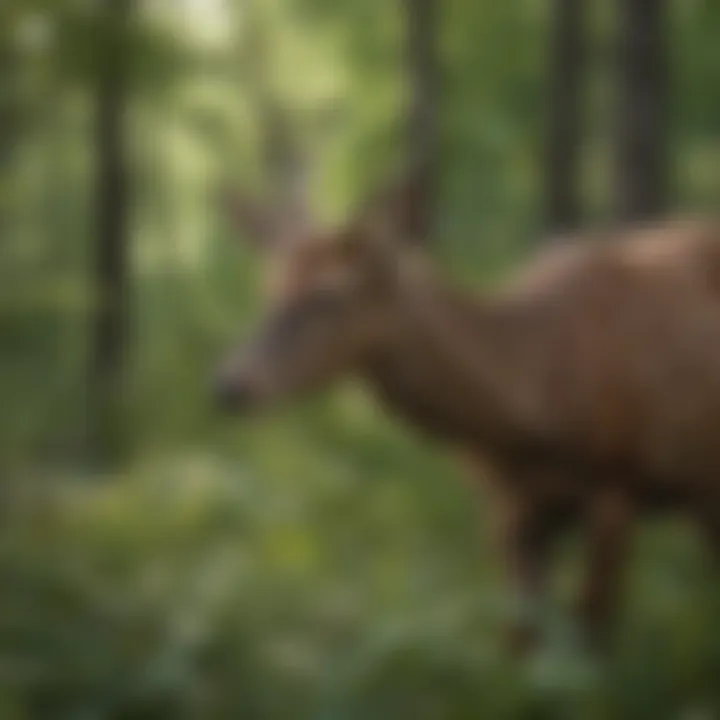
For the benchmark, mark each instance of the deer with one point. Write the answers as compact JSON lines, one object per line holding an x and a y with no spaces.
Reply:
{"x":583,"y":393}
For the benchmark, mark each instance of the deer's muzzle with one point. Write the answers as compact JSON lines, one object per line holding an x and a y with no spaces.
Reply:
{"x":234,"y":397}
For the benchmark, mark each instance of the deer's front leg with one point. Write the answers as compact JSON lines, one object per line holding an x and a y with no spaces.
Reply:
{"x":610,"y":522}
{"x":525,"y":535}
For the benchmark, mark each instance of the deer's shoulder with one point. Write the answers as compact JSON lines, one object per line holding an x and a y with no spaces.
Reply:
{"x":681,"y":251}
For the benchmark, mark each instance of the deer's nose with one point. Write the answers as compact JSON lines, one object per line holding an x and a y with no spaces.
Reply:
{"x":233,"y":396}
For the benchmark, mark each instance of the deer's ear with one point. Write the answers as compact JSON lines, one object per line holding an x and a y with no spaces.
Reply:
{"x":394,"y":215}
{"x":256,"y":222}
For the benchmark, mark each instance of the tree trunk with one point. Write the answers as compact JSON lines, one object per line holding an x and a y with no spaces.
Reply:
{"x":111,"y":257}
{"x":10,"y":123}
{"x":423,"y":130}
{"x":641,"y":181}
{"x":565,"y":132}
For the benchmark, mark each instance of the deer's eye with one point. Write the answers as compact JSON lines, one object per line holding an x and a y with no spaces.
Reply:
{"x":304,"y":313}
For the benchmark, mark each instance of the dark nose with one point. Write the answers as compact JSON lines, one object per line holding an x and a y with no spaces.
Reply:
{"x":233,"y":396}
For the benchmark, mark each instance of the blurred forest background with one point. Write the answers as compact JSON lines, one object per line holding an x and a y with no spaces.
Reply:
{"x":157,"y":561}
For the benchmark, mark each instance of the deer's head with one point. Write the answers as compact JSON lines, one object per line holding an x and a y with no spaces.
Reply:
{"x":332,"y":300}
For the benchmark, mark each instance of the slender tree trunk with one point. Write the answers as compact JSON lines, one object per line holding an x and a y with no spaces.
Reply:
{"x":10,"y":123}
{"x":111,"y":259}
{"x":641,"y":181}
{"x":565,"y":132}
{"x":423,"y":130}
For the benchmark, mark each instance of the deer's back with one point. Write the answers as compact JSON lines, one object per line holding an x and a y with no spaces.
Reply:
{"x":616,"y":352}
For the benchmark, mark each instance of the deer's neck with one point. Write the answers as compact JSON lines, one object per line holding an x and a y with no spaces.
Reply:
{"x":450,"y":367}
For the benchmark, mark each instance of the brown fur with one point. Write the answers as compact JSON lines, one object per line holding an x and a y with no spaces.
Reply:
{"x":587,"y":391}
{"x":590,"y":388}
